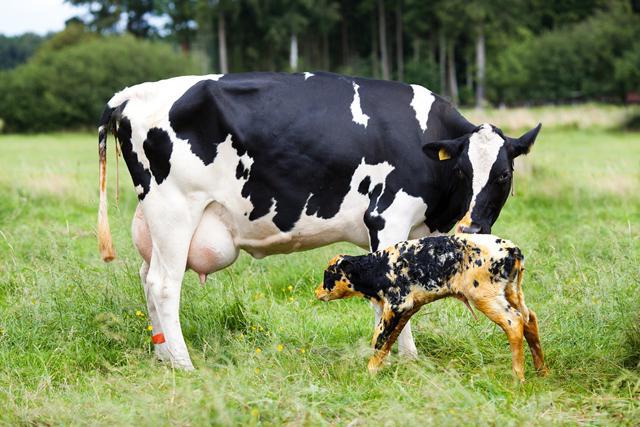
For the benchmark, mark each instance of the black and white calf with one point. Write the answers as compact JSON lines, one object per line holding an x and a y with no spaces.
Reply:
{"x":274,"y":163}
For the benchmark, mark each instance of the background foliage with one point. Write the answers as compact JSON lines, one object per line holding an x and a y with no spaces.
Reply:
{"x":475,"y":52}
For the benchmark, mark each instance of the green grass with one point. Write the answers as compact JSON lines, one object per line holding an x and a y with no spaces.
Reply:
{"x":73,"y":351}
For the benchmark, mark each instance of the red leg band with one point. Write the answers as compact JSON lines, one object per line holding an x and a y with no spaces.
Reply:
{"x":158,"y":338}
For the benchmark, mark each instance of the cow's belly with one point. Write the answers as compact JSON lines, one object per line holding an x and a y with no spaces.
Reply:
{"x":263,"y":238}
{"x":217,"y":239}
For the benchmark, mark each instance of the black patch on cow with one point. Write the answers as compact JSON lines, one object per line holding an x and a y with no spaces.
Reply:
{"x":363,"y":188}
{"x":241,"y":171}
{"x":374,"y":222}
{"x":158,"y":147}
{"x":139,"y":175}
{"x":195,"y":118}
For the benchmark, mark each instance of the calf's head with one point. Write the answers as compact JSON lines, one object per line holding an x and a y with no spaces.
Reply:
{"x":479,"y":169}
{"x":337,"y":281}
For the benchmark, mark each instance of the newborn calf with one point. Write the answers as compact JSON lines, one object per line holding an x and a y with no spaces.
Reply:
{"x":478,"y":268}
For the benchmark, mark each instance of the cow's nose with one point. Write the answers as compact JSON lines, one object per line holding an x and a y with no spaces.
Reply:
{"x":470,"y":229}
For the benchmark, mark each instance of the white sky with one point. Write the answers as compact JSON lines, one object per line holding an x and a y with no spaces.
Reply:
{"x":37,"y":16}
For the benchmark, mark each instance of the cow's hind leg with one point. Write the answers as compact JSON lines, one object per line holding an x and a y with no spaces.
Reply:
{"x":172,"y":224}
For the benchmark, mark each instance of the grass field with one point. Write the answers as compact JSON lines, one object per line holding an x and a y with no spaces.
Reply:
{"x":74,"y":351}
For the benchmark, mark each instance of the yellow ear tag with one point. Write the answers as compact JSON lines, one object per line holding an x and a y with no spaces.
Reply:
{"x":443,"y":155}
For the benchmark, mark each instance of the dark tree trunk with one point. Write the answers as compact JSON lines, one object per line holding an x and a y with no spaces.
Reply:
{"x":375,"y":64}
{"x":344,"y":36}
{"x":325,"y":51}
{"x":442,"y":62}
{"x":480,"y":68}
{"x":453,"y":80}
{"x":384,"y":56}
{"x":399,"y":41}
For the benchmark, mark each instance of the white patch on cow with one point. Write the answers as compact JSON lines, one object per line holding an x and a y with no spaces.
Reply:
{"x":348,"y":222}
{"x":139,"y":189}
{"x":307,"y":75}
{"x":421,"y":103}
{"x":159,"y":91}
{"x":484,"y":146}
{"x":404,"y":213}
{"x":359,"y":116}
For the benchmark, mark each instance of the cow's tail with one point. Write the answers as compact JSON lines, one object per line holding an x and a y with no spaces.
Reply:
{"x":104,"y":233}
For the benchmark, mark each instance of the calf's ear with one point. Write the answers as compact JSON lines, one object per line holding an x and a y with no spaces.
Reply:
{"x":445,"y":149}
{"x":522,"y":145}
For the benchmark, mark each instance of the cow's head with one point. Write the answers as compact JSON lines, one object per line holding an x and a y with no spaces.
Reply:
{"x":479,"y":169}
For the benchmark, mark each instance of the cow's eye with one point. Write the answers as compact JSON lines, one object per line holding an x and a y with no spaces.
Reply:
{"x":504,"y":177}
{"x":459,"y":173}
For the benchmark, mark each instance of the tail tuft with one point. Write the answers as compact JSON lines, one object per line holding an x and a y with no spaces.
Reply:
{"x":105,"y":242}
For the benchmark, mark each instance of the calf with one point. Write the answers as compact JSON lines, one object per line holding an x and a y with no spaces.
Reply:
{"x":482,"y":269}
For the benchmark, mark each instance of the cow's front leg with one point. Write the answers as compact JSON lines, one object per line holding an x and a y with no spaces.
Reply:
{"x":160,"y":347}
{"x":172,"y":226}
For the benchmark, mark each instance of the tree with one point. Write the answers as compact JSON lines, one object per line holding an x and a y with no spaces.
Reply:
{"x":182,"y":21}
{"x":68,"y":88}
{"x":105,"y":15}
{"x":382,"y":31}
{"x":16,"y":50}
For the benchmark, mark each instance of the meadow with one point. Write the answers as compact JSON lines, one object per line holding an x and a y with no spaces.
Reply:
{"x":75,"y":349}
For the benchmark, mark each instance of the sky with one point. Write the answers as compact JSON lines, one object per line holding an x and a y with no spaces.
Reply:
{"x":37,"y":16}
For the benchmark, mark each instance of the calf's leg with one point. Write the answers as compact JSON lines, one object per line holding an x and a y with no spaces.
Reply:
{"x":386,"y":333}
{"x":510,"y":320}
{"x":533,"y":339}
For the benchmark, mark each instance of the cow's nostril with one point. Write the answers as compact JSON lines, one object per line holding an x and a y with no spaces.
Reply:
{"x":472,"y":229}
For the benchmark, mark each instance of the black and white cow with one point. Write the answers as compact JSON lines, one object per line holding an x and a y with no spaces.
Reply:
{"x":274,"y":163}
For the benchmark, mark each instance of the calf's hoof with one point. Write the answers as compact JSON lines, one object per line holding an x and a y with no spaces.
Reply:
{"x":543,"y":372}
{"x":373,"y":367}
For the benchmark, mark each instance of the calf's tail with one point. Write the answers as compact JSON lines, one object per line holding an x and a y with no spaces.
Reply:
{"x":105,"y":242}
{"x":522,"y":307}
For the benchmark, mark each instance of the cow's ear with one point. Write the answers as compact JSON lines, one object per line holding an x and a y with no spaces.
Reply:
{"x":444,"y":150}
{"x":522,"y":145}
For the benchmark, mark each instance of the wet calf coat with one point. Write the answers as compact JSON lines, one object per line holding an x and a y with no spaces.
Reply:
{"x":483,"y":270}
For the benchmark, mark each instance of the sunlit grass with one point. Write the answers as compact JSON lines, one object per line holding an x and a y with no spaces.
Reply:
{"x":74,"y":344}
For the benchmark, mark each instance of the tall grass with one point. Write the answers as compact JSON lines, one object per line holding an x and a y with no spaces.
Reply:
{"x":74,"y":351}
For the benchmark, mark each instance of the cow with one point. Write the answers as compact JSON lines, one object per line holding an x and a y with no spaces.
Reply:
{"x":273,"y":163}
{"x":478,"y":268}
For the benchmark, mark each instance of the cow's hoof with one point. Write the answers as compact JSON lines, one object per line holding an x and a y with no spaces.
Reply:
{"x":162,"y":352}
{"x":408,"y":352}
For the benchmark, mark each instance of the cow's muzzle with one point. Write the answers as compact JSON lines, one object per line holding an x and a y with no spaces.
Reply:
{"x":471,"y":229}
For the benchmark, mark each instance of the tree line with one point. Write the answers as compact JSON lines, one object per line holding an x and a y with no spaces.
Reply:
{"x":466,"y":50}
{"x":474,"y":52}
